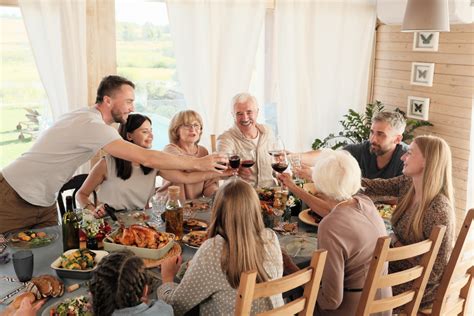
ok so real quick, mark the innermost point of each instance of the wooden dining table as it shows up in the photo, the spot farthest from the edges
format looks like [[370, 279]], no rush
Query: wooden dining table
[[44, 256]]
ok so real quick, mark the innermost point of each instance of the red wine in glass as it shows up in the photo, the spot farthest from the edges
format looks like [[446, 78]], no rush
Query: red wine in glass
[[279, 166], [234, 161], [247, 163]]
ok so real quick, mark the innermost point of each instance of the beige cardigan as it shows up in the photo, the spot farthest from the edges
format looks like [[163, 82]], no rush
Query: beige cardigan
[[234, 140]]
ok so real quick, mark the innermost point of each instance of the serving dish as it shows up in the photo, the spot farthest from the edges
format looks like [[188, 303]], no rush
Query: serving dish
[[194, 224], [77, 274], [195, 239], [111, 243], [306, 218]]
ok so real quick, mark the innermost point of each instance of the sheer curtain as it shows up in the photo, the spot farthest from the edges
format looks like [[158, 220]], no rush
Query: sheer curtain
[[215, 44], [322, 65], [57, 33]]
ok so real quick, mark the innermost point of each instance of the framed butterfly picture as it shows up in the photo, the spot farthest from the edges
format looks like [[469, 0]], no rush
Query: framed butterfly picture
[[418, 108], [426, 41], [422, 74]]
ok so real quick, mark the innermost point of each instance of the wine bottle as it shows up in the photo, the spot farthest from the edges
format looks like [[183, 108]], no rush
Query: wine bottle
[[70, 227]]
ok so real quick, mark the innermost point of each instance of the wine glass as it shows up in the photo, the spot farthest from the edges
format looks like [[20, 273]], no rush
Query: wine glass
[[248, 159], [234, 162], [295, 160], [280, 163], [276, 146]]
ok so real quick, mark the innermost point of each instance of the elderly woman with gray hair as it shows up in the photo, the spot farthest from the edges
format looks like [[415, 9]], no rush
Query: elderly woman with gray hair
[[349, 232]]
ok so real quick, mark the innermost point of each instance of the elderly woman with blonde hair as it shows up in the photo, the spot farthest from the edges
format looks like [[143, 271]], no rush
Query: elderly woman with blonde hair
[[184, 134], [425, 200], [349, 232]]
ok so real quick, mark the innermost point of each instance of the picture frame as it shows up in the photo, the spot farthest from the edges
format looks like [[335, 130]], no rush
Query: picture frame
[[426, 41], [422, 74], [418, 107]]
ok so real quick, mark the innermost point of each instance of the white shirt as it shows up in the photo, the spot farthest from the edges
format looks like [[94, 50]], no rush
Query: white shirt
[[39, 174]]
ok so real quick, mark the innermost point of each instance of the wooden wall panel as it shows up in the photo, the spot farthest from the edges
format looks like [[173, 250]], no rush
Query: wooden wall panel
[[451, 96]]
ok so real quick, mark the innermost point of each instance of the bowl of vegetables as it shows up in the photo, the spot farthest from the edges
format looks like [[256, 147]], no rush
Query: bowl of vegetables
[[78, 263]]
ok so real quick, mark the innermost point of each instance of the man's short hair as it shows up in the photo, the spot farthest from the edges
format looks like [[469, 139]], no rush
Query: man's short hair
[[109, 85], [395, 119], [242, 98], [336, 174]]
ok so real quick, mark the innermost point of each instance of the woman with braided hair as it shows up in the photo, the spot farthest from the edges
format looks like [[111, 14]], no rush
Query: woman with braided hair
[[119, 286]]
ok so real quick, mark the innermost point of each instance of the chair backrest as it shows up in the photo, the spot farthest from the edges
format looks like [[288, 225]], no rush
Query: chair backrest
[[310, 277], [213, 143], [458, 274], [73, 184], [419, 274]]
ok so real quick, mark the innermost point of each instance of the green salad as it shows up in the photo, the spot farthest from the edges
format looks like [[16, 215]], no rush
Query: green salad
[[77, 306]]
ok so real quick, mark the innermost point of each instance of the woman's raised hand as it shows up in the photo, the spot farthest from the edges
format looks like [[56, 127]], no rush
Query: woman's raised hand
[[212, 162]]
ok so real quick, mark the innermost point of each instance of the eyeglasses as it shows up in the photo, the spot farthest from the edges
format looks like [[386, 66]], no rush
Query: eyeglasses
[[192, 126]]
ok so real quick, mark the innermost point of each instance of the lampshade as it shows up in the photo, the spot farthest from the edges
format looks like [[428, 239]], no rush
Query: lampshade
[[426, 15]]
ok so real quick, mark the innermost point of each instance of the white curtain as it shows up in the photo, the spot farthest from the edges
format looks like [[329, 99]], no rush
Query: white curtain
[[57, 33], [322, 65], [215, 44]]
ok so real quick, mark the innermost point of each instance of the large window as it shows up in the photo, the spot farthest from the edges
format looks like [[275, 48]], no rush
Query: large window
[[145, 56], [23, 101]]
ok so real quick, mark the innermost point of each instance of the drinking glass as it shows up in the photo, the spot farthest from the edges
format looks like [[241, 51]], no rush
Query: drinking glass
[[280, 163], [276, 146], [295, 160], [23, 265], [234, 162], [158, 204], [248, 159]]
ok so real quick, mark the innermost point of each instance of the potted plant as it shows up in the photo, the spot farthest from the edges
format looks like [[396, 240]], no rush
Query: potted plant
[[356, 128]]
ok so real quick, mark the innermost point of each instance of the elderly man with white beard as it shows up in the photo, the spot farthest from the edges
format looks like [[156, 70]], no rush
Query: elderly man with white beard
[[246, 136]]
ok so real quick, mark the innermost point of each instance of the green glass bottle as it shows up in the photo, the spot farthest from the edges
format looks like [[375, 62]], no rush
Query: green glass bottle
[[70, 227]]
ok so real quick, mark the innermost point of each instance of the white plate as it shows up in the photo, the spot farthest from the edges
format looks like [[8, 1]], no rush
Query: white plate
[[187, 237], [299, 246]]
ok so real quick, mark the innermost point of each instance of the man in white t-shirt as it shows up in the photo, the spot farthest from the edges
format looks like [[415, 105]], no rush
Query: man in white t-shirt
[[247, 135], [29, 185]]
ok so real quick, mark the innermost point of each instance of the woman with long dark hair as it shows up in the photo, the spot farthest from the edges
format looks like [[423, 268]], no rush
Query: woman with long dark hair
[[126, 185]]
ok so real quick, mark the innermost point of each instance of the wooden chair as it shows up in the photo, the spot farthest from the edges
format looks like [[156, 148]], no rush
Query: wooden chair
[[73, 184], [458, 274], [310, 277], [213, 143], [419, 274]]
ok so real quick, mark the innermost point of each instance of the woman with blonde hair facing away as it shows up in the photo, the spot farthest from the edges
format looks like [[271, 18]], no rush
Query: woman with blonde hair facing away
[[425, 200], [237, 242], [184, 133], [349, 233]]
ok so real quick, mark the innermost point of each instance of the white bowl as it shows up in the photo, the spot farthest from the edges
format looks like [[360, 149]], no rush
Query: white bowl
[[77, 274]]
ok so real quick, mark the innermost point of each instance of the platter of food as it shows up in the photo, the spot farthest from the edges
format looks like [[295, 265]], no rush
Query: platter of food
[[78, 263], [144, 241], [197, 205], [78, 305], [194, 224], [195, 239], [309, 217], [34, 238]]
